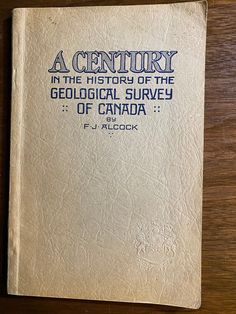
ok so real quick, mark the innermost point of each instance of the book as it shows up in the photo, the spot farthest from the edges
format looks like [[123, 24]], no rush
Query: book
[[106, 166]]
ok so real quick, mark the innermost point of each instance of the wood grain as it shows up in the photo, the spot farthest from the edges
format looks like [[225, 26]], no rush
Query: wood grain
[[219, 205]]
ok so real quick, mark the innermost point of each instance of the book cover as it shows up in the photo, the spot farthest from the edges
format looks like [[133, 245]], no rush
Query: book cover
[[107, 153]]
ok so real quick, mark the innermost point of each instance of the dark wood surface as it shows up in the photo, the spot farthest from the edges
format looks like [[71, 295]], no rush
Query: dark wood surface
[[219, 205]]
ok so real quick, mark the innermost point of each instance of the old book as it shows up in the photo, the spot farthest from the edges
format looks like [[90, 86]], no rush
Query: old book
[[107, 153]]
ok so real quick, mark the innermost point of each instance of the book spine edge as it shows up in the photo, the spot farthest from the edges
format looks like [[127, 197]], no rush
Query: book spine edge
[[18, 43]]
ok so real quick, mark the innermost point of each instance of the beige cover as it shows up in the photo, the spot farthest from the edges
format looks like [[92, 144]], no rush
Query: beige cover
[[96, 215]]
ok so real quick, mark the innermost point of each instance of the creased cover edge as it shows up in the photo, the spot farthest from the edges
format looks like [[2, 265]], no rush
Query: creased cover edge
[[18, 42]]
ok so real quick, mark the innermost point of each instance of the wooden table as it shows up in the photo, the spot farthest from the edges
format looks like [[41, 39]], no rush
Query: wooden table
[[219, 210]]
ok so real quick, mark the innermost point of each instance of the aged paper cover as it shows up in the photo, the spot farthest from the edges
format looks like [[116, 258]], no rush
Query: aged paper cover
[[107, 153]]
